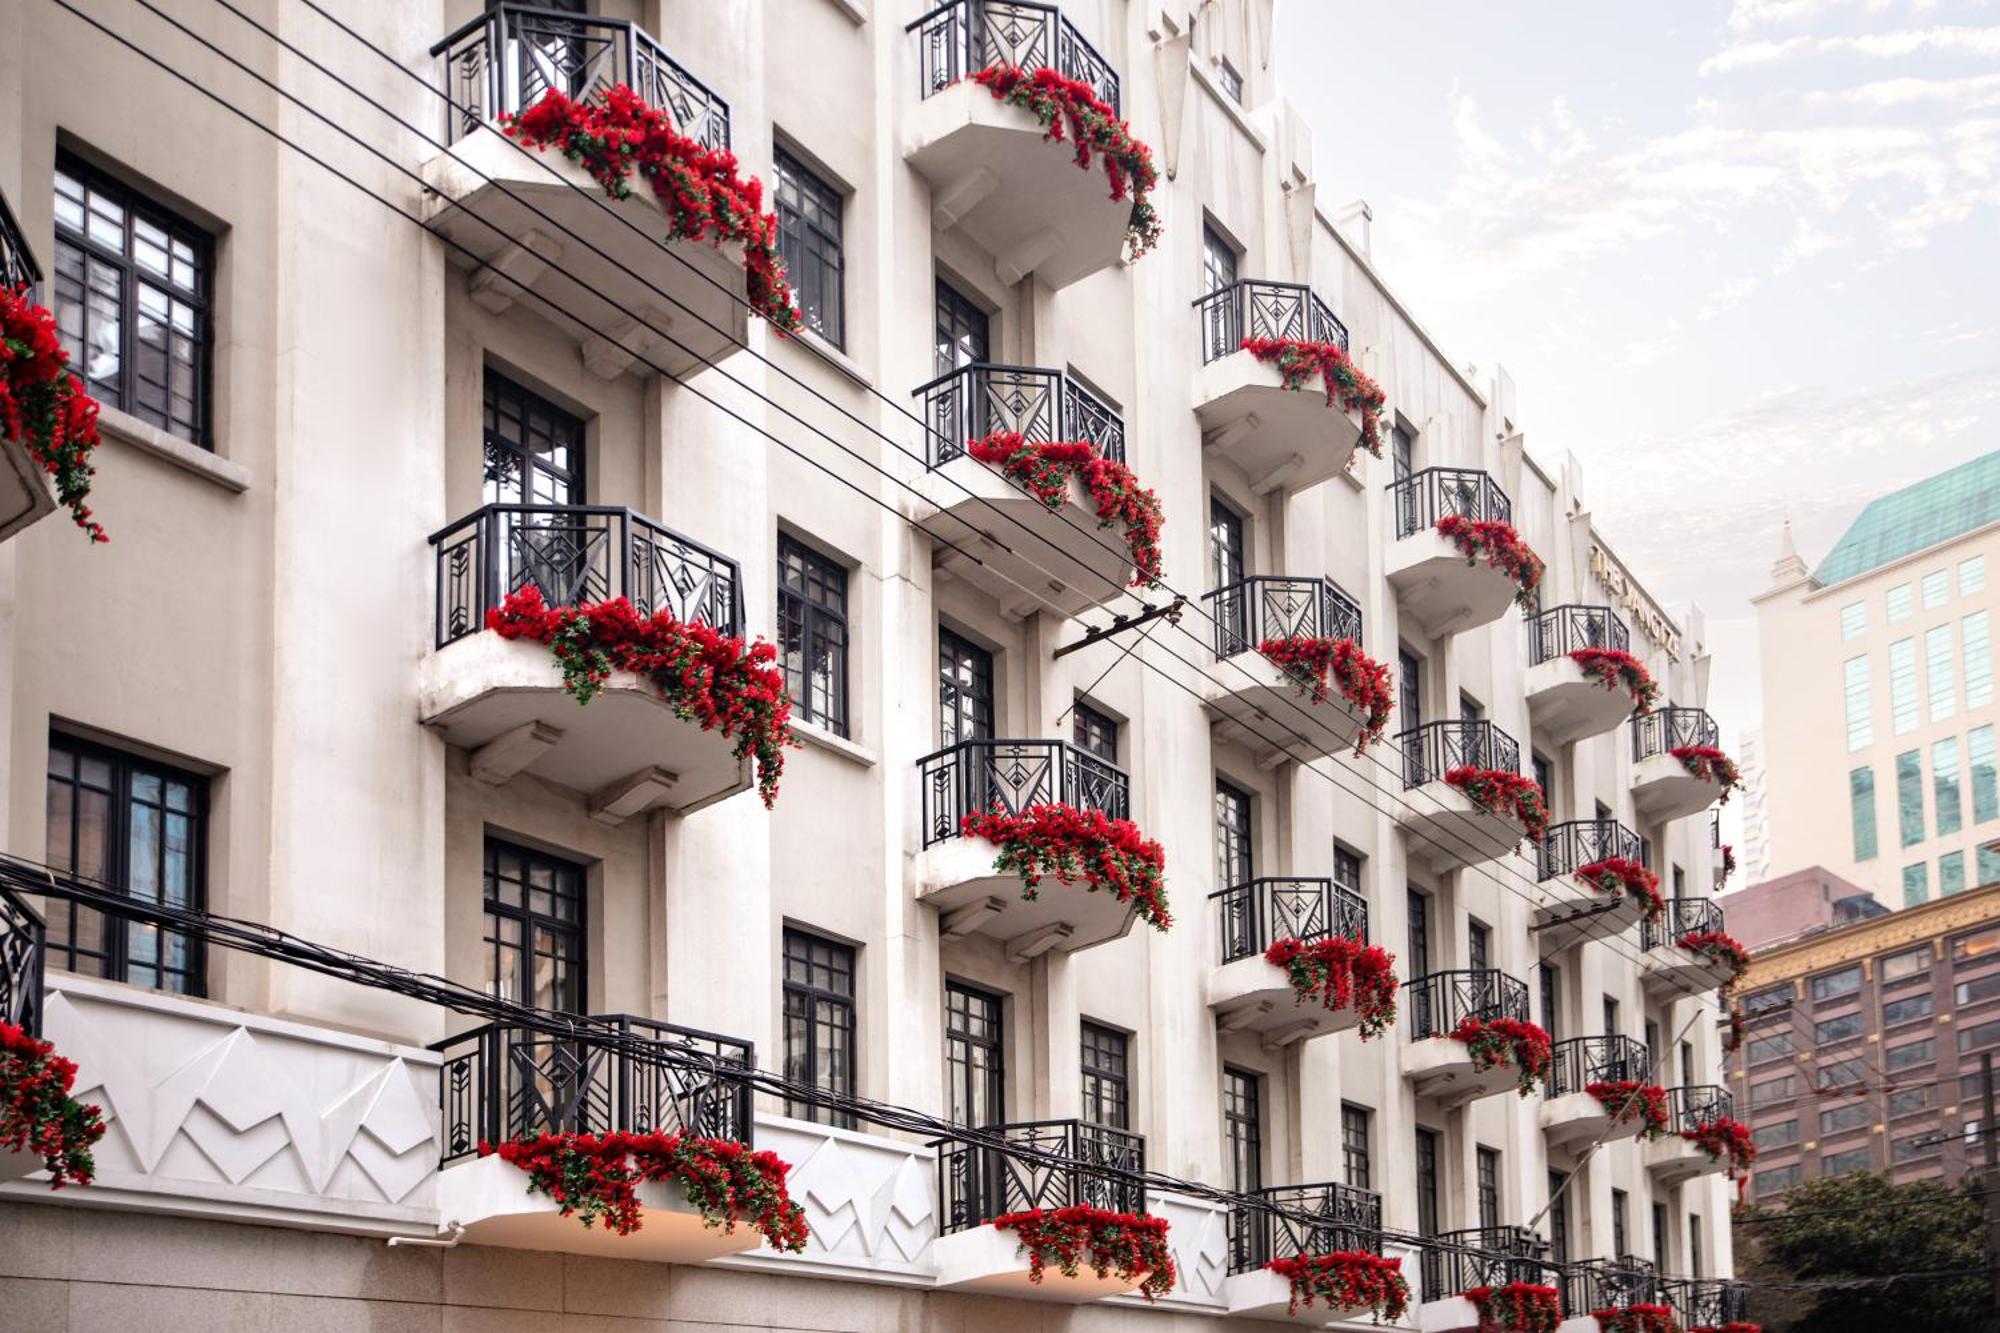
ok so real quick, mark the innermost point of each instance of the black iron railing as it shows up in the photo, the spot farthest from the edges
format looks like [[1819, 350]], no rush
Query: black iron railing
[[977, 1184], [1422, 498], [1012, 775], [965, 36], [1310, 1219], [1577, 843], [1440, 1000], [1561, 630], [1455, 1262], [510, 57], [1705, 1302], [1609, 1284], [1256, 915], [1253, 308], [1672, 728], [1436, 748], [1695, 1104], [577, 554], [974, 401], [17, 262], [1684, 916], [616, 1072], [1267, 607], [1581, 1061], [23, 941]]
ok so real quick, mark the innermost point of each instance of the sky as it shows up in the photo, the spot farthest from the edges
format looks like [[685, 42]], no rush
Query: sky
[[1741, 257]]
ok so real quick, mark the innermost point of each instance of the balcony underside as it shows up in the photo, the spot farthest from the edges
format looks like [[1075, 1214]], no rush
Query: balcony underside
[[17, 1163], [26, 491], [992, 1263], [1662, 790], [1451, 1314], [1023, 200], [1256, 706], [1251, 995], [1581, 1324], [1280, 439], [1672, 1159], [1441, 590], [502, 701], [1262, 1294], [957, 877], [1578, 1117], [1440, 1068], [1568, 912], [1025, 557], [539, 223], [1669, 972], [1448, 830], [1567, 705], [490, 1198]]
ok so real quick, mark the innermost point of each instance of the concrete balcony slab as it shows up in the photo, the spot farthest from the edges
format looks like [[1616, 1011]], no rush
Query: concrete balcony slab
[[1440, 1068], [1256, 706], [490, 1199], [1441, 590], [1448, 830], [1281, 440], [1029, 559], [1251, 995], [957, 877], [1567, 705], [991, 1262], [1578, 1118], [1662, 790], [27, 493]]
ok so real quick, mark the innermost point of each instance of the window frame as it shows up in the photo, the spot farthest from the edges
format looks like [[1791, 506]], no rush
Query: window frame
[[1105, 1059], [1243, 1128], [500, 392], [799, 945], [531, 922], [791, 174], [821, 624], [1094, 731], [961, 1073], [1357, 1145]]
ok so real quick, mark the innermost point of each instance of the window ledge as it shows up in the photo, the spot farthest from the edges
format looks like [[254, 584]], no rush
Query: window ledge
[[840, 745], [146, 438], [820, 350], [854, 9]]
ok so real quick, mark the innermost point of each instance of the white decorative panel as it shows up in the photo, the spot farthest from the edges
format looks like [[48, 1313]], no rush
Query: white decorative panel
[[871, 1202], [1198, 1236]]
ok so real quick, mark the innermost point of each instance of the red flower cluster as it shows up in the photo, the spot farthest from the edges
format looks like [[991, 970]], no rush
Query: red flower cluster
[[1346, 1280], [1725, 1137], [1627, 1099], [1616, 874], [43, 405], [1342, 973], [1720, 948], [1058, 101], [1314, 663], [615, 133], [1508, 795], [1710, 765], [1507, 1041], [1637, 1319], [1612, 667], [37, 1114], [596, 1176], [1044, 471], [1071, 844], [1738, 1025], [1734, 1326], [707, 677], [1501, 547], [1132, 1245], [1518, 1307], [1728, 860], [1297, 359]]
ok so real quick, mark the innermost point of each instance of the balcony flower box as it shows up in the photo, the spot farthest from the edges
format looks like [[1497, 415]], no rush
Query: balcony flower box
[[48, 423], [1315, 664], [1518, 1307], [1343, 1285], [1104, 854], [1342, 975], [1079, 1253], [42, 1127], [1503, 1043]]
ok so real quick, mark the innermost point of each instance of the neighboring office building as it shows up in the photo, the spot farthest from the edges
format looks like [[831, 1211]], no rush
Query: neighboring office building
[[1879, 716], [1791, 907]]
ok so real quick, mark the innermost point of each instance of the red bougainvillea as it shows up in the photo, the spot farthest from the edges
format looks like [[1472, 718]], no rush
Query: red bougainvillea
[[1615, 874], [1297, 359], [1508, 795], [1315, 664], [43, 406], [707, 677], [1518, 1307], [1637, 1319], [1044, 470], [1724, 1139], [1612, 668], [596, 1177], [1737, 1025], [1501, 547], [1132, 1245], [1060, 102], [1734, 1326], [1346, 1280], [615, 133], [1497, 1042], [1728, 860], [37, 1114], [1724, 950], [1342, 973], [1106, 854], [1710, 765], [1628, 1099]]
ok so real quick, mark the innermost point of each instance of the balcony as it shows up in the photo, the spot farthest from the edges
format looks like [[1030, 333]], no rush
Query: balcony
[[23, 938], [1280, 439], [1438, 1065], [1606, 1284], [26, 491], [1666, 970], [536, 228], [977, 1184], [955, 874], [1455, 1262], [1436, 587], [1705, 1302], [1662, 789], [1569, 1115], [1567, 705], [614, 1072], [503, 701], [1251, 995], [1567, 910], [1012, 547], [1447, 829], [1022, 200], [1673, 1159], [1296, 1220], [1255, 703]]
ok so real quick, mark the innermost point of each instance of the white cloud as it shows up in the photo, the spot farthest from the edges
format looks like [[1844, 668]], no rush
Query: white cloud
[[1748, 14], [1726, 298], [1966, 94], [1978, 42]]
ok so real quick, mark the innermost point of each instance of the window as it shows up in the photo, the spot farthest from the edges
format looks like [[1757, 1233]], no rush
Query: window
[[1242, 1125], [975, 1087], [1402, 453], [1942, 688], [1612, 1026], [1916, 884], [1898, 602], [132, 292], [1976, 944], [1231, 81], [140, 829], [1551, 988], [1937, 589], [1779, 1134], [1558, 1217], [1976, 649], [1910, 796], [1652, 1030], [1478, 946], [1107, 1095], [1853, 620], [1986, 864], [1768, 1000], [1356, 1160], [1903, 685], [1226, 566], [1773, 1090], [1914, 1148], [1904, 966], [812, 629], [1829, 986], [1906, 1010], [1861, 811], [1095, 732], [1909, 1101], [1985, 794], [1544, 775], [1910, 1054], [1695, 1246], [1619, 1202], [1840, 1074], [1346, 868], [1427, 1181], [1944, 785], [1841, 1119], [964, 337], [534, 928], [1763, 1050], [1977, 991], [1843, 1028], [1486, 1165], [1234, 863], [1841, 1163], [1978, 1037], [1971, 575], [808, 212], [1420, 936], [965, 690], [533, 449], [1218, 261], [819, 1022], [1410, 689], [1770, 1184], [1951, 874], [1860, 726]]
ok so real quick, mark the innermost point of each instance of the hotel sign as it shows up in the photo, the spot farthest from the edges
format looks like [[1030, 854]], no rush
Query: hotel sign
[[1625, 594]]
